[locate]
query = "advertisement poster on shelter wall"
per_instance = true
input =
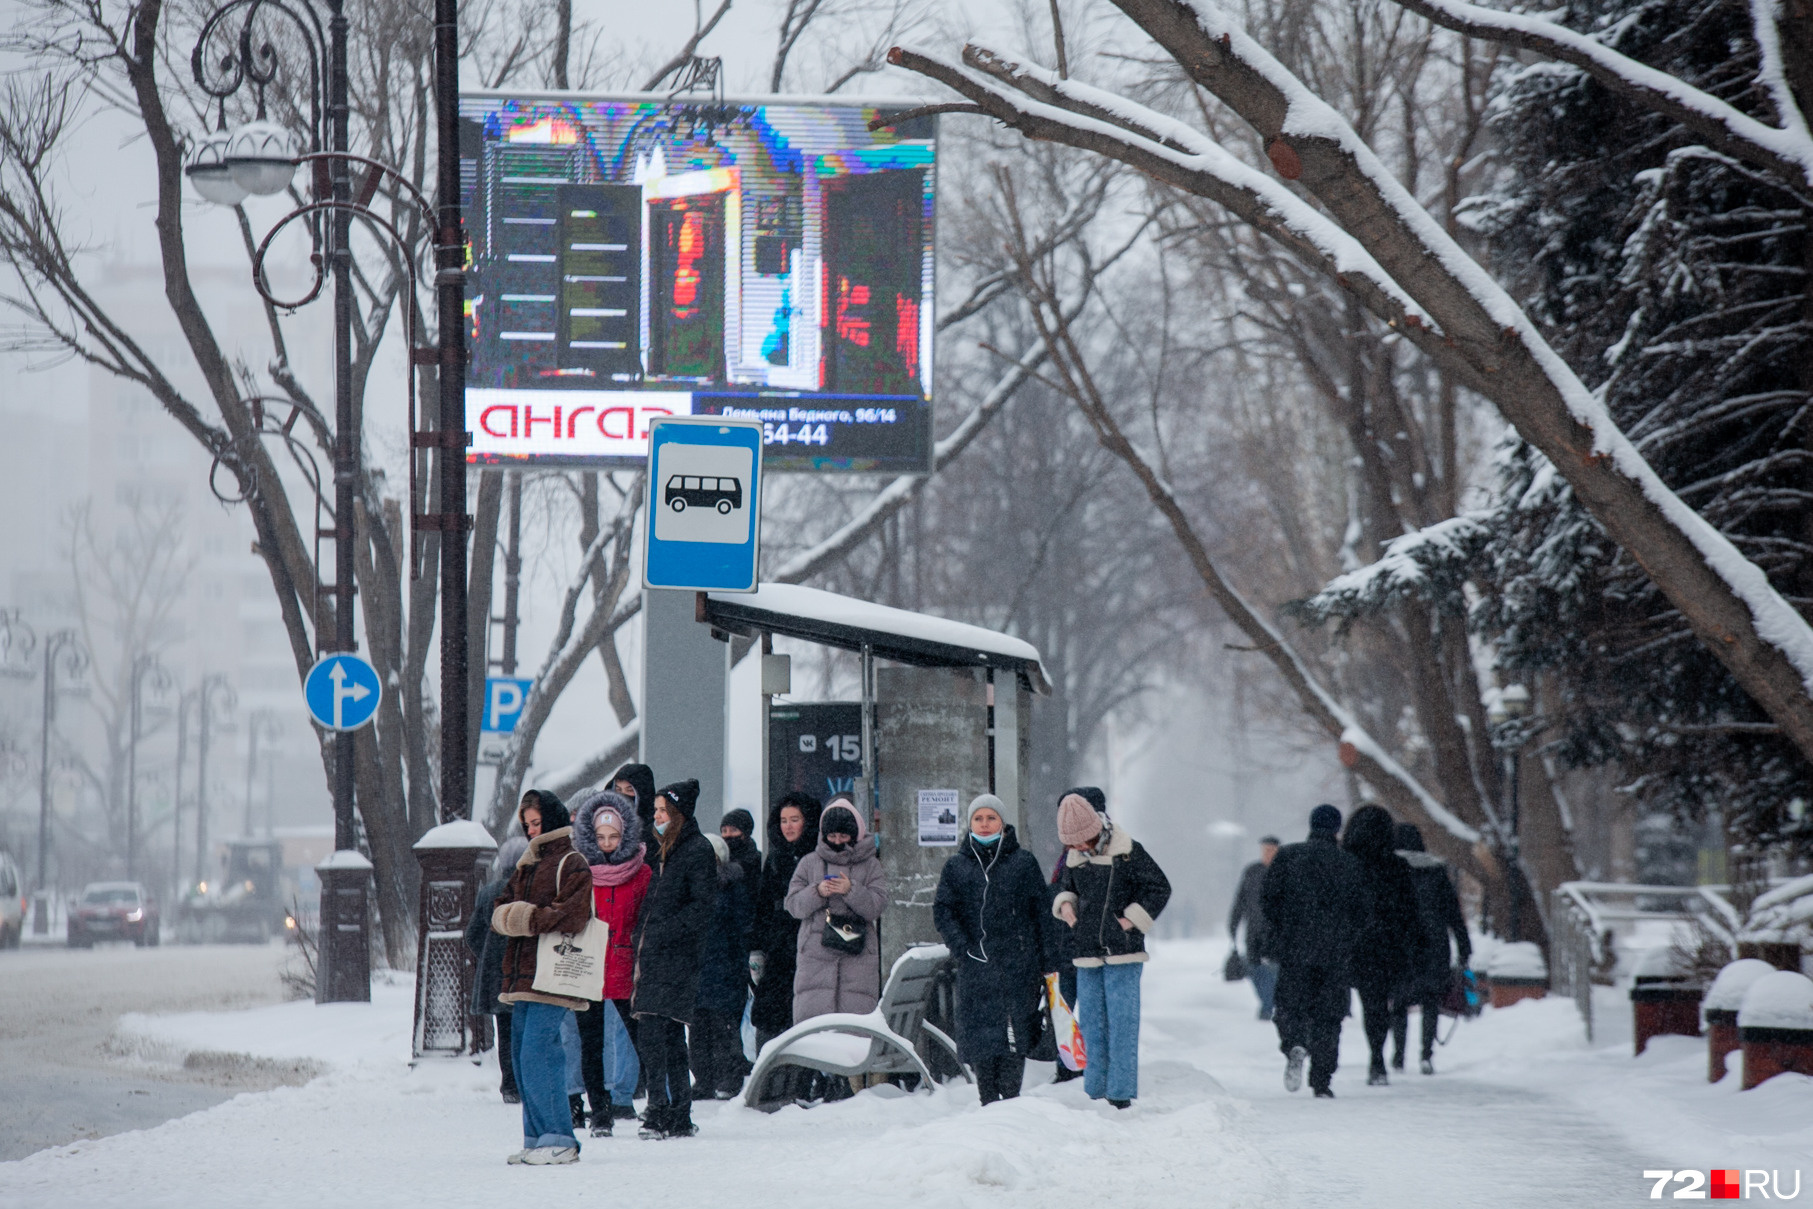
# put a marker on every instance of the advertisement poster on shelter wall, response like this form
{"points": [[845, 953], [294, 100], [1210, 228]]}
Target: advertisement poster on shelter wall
{"points": [[641, 256], [937, 818]]}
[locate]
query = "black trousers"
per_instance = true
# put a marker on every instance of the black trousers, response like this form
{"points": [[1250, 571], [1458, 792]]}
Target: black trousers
{"points": [[507, 1082], [999, 1076], [591, 1058], [1375, 1009], [1310, 1005], [1431, 1008], [661, 1044], [718, 1065]]}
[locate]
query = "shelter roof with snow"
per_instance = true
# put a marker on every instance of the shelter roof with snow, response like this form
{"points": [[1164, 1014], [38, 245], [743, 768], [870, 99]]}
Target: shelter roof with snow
{"points": [[829, 619]]}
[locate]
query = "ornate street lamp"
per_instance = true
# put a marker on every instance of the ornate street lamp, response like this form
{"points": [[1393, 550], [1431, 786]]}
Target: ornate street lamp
{"points": [[1512, 706], [145, 666], [63, 652]]}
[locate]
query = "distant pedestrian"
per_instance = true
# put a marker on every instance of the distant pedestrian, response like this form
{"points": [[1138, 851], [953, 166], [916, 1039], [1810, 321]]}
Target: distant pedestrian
{"points": [[1110, 894], [637, 783], [1392, 931], [715, 1039], [1431, 965], [1261, 965], [549, 892], [488, 955], [1066, 966], [837, 893], [1315, 905], [609, 835], [991, 910], [792, 833], [676, 915]]}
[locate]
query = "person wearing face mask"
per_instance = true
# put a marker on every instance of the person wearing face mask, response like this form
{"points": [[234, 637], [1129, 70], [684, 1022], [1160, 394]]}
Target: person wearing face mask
{"points": [[792, 833], [990, 909], [1110, 894], [837, 893], [637, 783], [549, 892], [670, 937], [608, 834]]}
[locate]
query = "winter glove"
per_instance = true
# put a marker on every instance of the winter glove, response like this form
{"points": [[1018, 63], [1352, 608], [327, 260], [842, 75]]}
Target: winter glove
{"points": [[513, 919]]}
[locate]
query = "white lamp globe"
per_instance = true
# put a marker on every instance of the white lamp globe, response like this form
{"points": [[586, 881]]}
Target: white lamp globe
{"points": [[209, 173], [262, 156]]}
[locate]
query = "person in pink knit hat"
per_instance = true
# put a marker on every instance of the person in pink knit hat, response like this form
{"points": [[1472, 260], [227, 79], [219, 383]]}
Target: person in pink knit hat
{"points": [[1110, 892]]}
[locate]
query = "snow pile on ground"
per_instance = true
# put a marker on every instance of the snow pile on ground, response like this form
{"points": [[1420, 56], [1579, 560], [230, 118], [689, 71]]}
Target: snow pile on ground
{"points": [[1522, 1107]]}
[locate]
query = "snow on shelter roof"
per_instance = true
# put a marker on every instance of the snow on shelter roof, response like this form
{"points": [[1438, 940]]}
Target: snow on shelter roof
{"points": [[903, 636]]}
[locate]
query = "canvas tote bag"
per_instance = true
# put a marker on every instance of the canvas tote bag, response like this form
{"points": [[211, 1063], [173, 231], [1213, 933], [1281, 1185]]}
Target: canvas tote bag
{"points": [[572, 963]]}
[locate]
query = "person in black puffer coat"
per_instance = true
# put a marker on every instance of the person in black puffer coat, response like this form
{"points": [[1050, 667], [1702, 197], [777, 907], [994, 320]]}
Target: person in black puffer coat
{"points": [[991, 908], [718, 1065], [1315, 904], [488, 952], [792, 832], [1110, 894], [1392, 933], [1438, 906], [637, 783], [670, 938]]}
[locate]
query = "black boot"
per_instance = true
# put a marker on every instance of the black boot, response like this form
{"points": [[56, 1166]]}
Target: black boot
{"points": [[576, 1105], [654, 1123], [601, 1119]]}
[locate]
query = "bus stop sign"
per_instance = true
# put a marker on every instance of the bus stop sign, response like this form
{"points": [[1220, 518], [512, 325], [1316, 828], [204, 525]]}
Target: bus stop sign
{"points": [[704, 504]]}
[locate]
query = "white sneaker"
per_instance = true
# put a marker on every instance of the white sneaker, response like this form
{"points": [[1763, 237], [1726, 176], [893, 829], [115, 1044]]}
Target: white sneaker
{"points": [[549, 1156], [520, 1157], [1293, 1068]]}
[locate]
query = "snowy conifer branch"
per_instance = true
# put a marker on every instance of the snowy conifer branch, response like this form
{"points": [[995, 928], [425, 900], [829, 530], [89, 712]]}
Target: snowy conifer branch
{"points": [[1429, 565], [1787, 151]]}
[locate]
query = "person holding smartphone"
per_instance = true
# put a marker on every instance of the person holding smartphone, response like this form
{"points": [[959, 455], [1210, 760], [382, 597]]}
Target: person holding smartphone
{"points": [[838, 892]]}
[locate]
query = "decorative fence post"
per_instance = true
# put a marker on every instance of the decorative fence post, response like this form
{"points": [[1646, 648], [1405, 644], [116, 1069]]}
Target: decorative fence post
{"points": [[454, 857], [343, 938]]}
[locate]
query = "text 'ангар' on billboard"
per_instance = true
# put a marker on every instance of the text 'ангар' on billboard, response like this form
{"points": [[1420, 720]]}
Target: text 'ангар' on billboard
{"points": [[640, 256]]}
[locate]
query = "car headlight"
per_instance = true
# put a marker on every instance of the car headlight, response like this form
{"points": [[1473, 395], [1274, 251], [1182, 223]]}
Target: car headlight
{"points": [[134, 915], [289, 921]]}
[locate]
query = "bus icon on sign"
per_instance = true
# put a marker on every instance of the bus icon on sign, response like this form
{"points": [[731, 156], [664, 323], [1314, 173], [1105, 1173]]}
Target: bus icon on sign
{"points": [[695, 491]]}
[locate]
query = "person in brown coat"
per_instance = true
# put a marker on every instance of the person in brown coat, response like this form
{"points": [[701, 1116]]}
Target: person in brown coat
{"points": [[551, 891]]}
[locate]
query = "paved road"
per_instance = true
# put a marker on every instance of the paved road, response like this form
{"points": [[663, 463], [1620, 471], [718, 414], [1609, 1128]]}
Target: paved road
{"points": [[58, 1008]]}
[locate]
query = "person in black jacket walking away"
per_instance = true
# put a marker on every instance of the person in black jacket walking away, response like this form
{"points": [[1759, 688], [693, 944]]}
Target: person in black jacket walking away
{"points": [[1392, 931], [1315, 905], [670, 939], [1261, 966], [990, 909], [1110, 894], [1438, 906], [717, 1049]]}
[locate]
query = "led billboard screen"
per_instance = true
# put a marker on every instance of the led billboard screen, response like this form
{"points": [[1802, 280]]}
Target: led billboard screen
{"points": [[638, 256]]}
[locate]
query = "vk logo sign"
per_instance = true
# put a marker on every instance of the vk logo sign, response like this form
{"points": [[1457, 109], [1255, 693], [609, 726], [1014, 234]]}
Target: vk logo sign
{"points": [[342, 691], [504, 699]]}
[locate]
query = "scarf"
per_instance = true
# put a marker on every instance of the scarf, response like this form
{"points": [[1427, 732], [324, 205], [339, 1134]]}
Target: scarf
{"points": [[623, 871]]}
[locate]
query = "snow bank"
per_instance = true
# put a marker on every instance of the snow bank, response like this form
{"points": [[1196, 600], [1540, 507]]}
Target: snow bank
{"points": [[1783, 999]]}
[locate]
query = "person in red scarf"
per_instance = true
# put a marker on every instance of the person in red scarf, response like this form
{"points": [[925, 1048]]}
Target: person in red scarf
{"points": [[608, 833]]}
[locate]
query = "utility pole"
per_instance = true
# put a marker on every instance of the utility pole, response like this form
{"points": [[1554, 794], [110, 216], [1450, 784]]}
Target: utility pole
{"points": [[62, 647], [512, 576], [143, 664], [205, 694], [176, 808]]}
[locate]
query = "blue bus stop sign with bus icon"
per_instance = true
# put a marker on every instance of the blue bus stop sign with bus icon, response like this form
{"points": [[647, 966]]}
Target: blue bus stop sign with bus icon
{"points": [[704, 504], [342, 691]]}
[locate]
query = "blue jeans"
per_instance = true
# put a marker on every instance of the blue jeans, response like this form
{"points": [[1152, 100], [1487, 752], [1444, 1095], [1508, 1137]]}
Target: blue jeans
{"points": [[540, 1062], [1107, 1012], [569, 1042], [1265, 982], [621, 1065]]}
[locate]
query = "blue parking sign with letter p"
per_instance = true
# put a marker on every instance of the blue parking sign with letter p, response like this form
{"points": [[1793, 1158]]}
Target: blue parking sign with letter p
{"points": [[504, 697]]}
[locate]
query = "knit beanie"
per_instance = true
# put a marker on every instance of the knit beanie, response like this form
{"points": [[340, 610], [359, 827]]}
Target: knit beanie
{"points": [[989, 801], [682, 796], [741, 819], [1324, 818], [1078, 823]]}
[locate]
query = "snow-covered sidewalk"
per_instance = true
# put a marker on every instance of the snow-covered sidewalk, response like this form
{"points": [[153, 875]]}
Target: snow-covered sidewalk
{"points": [[1523, 1112]]}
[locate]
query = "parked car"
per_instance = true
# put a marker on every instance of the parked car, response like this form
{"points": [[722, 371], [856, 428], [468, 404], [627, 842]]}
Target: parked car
{"points": [[113, 911], [12, 903]]}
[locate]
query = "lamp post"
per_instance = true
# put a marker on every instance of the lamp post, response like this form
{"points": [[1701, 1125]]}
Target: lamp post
{"points": [[212, 693], [61, 650], [260, 720], [183, 701], [1513, 706], [144, 665]]}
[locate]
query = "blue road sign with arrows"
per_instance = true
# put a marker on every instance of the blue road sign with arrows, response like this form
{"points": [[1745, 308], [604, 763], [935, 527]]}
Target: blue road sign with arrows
{"points": [[704, 503], [342, 691]]}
